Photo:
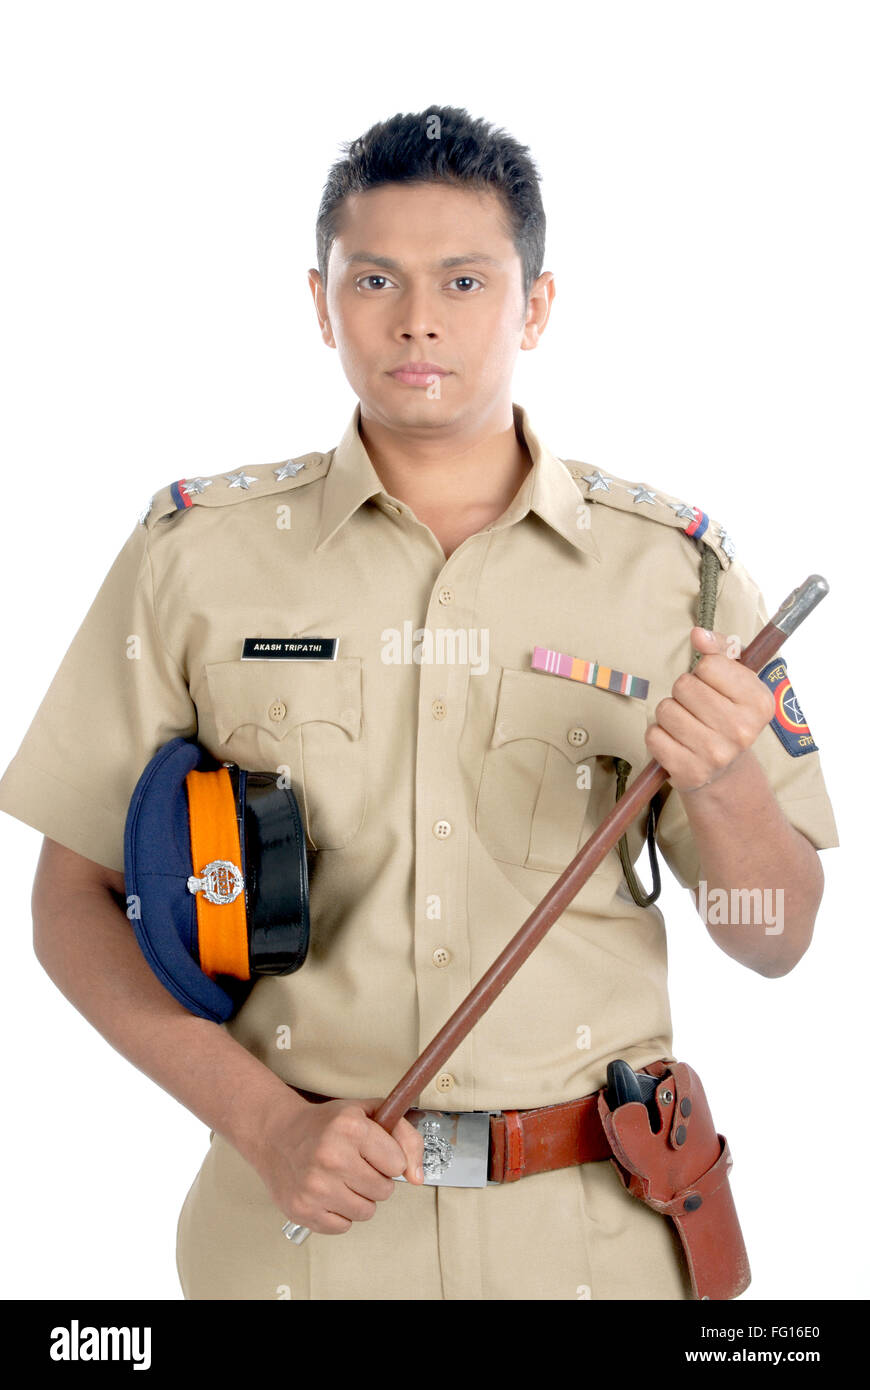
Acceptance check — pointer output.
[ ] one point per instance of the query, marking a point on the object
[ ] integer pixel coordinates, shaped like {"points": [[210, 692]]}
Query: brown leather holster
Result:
{"points": [[682, 1172]]}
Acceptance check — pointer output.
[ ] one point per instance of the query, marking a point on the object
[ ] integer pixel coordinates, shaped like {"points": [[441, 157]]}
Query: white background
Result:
{"points": [[705, 183]]}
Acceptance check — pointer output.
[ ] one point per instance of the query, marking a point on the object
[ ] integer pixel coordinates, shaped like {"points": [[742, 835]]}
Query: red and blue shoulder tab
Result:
{"points": [[224, 489], [642, 500]]}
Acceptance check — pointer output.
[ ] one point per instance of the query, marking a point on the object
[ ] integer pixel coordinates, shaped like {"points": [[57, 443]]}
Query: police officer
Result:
{"points": [[445, 778]]}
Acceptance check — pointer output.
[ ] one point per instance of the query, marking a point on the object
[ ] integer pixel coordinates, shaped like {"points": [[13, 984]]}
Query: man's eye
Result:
{"points": [[465, 279]]}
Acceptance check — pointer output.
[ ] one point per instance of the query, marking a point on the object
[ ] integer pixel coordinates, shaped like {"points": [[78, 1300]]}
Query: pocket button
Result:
{"points": [[577, 737], [277, 711]]}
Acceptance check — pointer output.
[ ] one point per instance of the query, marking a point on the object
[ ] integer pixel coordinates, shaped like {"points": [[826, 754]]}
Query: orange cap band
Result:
{"points": [[214, 834]]}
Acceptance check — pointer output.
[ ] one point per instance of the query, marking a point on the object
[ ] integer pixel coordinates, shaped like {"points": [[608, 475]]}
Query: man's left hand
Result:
{"points": [[713, 715]]}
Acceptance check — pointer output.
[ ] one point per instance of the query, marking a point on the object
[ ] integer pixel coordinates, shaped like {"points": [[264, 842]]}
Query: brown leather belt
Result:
{"points": [[680, 1169], [524, 1142]]}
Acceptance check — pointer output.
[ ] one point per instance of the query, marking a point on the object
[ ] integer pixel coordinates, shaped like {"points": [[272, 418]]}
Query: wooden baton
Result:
{"points": [[760, 650]]}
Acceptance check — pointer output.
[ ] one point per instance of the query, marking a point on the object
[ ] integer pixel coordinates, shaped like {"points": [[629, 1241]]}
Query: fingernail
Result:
{"points": [[419, 1174], [709, 635]]}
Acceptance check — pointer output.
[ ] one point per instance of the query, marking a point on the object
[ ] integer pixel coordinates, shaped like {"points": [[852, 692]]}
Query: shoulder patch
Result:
{"points": [[788, 723], [222, 489], [643, 500]]}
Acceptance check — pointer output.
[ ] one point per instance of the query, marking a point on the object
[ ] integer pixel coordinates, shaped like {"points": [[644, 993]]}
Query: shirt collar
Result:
{"points": [[547, 489]]}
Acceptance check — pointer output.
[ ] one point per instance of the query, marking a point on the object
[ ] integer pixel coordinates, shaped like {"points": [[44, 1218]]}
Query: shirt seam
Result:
{"points": [[147, 556], [474, 607], [25, 761], [780, 801]]}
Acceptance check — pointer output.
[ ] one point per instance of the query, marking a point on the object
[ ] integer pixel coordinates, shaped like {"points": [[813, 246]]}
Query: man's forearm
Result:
{"points": [[744, 843], [86, 944]]}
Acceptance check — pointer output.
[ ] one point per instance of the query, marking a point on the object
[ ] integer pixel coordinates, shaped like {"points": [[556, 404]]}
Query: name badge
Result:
{"points": [[289, 648]]}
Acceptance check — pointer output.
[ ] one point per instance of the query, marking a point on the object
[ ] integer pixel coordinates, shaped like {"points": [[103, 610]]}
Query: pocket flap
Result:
{"points": [[279, 695], [577, 720]]}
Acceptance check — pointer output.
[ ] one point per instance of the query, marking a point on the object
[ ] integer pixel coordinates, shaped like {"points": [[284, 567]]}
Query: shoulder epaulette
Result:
{"points": [[642, 500], [222, 489]]}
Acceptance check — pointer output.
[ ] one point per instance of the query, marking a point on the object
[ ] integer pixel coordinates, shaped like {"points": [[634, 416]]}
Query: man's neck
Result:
{"points": [[475, 476]]}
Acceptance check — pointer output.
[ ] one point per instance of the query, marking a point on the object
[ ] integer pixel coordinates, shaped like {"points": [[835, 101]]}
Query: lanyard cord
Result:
{"points": [[706, 618]]}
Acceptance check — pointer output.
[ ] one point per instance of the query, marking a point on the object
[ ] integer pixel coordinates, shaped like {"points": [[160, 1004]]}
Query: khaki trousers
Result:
{"points": [[570, 1234]]}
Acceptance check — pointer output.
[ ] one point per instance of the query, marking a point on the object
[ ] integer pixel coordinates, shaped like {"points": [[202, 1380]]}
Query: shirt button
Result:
{"points": [[578, 737], [444, 1082], [441, 956], [439, 709], [445, 596], [442, 829], [277, 711]]}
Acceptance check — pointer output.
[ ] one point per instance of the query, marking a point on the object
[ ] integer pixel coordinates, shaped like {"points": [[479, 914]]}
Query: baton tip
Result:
{"points": [[293, 1231], [800, 603]]}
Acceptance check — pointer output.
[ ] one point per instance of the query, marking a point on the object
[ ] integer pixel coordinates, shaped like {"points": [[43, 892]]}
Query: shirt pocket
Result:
{"points": [[302, 720], [548, 772]]}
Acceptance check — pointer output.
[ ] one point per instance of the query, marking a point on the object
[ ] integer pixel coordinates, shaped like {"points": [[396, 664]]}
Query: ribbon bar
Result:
{"points": [[589, 673]]}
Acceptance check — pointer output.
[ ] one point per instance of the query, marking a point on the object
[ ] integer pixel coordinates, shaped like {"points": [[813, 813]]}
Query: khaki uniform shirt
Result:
{"points": [[444, 784]]}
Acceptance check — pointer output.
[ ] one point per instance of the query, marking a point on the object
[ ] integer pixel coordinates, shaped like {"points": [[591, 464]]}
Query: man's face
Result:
{"points": [[427, 273]]}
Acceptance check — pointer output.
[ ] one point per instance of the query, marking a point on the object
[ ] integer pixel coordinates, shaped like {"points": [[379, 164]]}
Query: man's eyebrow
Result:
{"points": [[386, 263]]}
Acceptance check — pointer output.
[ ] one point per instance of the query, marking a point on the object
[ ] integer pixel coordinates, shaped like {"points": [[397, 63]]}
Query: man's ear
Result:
{"points": [[537, 309], [318, 292]]}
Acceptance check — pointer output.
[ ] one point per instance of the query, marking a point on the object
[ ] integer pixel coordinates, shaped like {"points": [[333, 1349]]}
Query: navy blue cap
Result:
{"points": [[158, 865]]}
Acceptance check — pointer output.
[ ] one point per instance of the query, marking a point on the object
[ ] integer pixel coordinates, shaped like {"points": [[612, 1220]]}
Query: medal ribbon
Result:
{"points": [[589, 673]]}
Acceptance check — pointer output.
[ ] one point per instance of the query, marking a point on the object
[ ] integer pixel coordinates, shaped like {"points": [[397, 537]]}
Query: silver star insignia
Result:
{"points": [[194, 486], [597, 482], [240, 479], [680, 509], [145, 512], [641, 494], [287, 470], [726, 543]]}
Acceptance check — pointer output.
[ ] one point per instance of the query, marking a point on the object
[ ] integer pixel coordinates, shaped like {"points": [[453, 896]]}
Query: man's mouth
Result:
{"points": [[418, 373]]}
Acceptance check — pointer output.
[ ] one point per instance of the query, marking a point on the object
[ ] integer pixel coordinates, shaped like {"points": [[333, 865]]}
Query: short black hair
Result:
{"points": [[442, 143]]}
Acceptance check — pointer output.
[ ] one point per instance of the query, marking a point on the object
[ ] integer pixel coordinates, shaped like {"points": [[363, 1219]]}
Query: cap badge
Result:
{"points": [[220, 881]]}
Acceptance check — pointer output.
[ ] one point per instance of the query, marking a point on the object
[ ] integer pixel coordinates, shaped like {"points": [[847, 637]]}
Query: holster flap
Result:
{"points": [[682, 1172]]}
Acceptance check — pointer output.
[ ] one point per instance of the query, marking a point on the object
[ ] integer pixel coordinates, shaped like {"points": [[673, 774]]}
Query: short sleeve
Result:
{"points": [[117, 696], [797, 781]]}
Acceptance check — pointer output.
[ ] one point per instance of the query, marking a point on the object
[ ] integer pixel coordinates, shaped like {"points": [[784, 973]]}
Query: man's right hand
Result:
{"points": [[328, 1163], [325, 1164]]}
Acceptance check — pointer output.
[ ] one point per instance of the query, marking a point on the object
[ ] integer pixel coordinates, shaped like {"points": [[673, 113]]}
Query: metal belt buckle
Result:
{"points": [[455, 1146]]}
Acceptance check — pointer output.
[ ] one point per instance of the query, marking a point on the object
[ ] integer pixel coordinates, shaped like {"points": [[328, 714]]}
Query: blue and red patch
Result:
{"points": [[788, 723], [697, 527], [179, 495]]}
